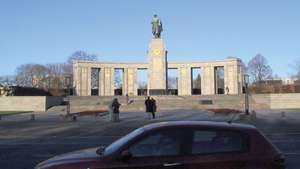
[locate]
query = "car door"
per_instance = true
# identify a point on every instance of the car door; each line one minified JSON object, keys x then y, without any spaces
{"x":217,"y":149}
{"x":159,"y":150}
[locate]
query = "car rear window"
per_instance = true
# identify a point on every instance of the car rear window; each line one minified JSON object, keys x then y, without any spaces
{"x":206,"y":142}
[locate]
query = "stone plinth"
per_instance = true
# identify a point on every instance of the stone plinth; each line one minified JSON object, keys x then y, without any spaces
{"x":157,"y":67}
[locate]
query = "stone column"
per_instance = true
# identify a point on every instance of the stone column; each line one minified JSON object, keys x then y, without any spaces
{"x":226,"y":80}
{"x":125,"y":82}
{"x":83,"y":81}
{"x":131,"y":81}
{"x":112,"y":81}
{"x":89,"y":81}
{"x":77,"y":79}
{"x":241,"y":78}
{"x":157,"y":67}
{"x":185,"y":79}
{"x":208,"y":80}
{"x":86,"y":81}
{"x":232,"y":78}
{"x":235,"y":79}
{"x":101,"y":80}
{"x":212,"y":80}
{"x":108,"y":86}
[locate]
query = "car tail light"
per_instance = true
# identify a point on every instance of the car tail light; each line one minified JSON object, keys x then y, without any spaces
{"x":279,"y":161}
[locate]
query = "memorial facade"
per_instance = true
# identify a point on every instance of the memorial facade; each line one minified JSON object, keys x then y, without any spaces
{"x":215,"y":77}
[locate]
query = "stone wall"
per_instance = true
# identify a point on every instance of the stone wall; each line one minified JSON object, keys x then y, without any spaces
{"x":157,"y":75}
{"x":28,"y":103}
{"x":257,"y":102}
{"x":276,"y":101}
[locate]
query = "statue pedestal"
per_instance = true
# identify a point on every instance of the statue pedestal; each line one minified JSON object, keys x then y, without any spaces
{"x":157,"y":72}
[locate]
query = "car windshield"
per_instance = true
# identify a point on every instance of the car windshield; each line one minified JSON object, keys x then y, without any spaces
{"x":120,"y":142}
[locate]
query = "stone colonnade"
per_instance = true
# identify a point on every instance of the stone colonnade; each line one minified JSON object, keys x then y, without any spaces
{"x":233,"y":76}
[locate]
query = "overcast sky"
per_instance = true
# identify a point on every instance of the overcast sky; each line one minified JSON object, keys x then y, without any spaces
{"x":49,"y":31}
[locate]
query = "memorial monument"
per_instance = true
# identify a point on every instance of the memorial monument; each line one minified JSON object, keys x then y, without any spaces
{"x":157,"y":58}
{"x":216,"y":76}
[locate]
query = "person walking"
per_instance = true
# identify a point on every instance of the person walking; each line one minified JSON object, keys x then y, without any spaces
{"x":227,"y":90}
{"x":153,"y":107}
{"x":114,"y":110}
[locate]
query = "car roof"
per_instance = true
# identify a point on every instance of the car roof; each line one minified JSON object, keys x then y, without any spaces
{"x":204,"y":124}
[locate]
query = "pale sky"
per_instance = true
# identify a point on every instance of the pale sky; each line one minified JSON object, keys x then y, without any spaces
{"x":48,"y":31}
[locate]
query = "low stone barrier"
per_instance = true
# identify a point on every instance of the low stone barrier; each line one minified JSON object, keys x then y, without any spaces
{"x":28,"y":103}
{"x":276,"y":101}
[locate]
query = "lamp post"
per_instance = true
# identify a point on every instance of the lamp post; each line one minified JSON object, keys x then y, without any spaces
{"x":246,"y":81}
{"x":67,"y":81}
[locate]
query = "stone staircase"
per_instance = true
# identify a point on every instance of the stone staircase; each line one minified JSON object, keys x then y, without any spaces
{"x":83,"y":103}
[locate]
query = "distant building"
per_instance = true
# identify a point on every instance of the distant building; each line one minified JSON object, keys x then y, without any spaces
{"x":297,"y":82}
{"x":289,"y":81}
{"x":279,"y":81}
{"x":271,"y":82}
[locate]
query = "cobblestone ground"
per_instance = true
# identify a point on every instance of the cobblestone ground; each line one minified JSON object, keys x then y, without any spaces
{"x":24,"y":143}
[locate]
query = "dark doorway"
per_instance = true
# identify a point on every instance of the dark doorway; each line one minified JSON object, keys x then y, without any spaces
{"x":118,"y":81}
{"x":196,"y":80}
{"x":142,"y":82}
{"x":219,"y":80}
{"x":172,"y":82}
{"x":95,"y":86}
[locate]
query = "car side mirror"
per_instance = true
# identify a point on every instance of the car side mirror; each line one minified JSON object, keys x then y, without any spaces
{"x":126,"y":155}
{"x":100,"y":150}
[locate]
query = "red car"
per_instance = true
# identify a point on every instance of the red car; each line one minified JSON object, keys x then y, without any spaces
{"x":179,"y":145}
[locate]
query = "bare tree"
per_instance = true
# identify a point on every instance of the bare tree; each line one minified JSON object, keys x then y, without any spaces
{"x":244,"y":67}
{"x":31,"y":75}
{"x":7,"y":80}
{"x":95,"y":78}
{"x":58,"y":71}
{"x":81,"y":55}
{"x":78,"y":55}
{"x":55,"y":75}
{"x":55,"y":69}
{"x":197,"y":82}
{"x":118,"y":81}
{"x":298,"y":70}
{"x":50,"y":75}
{"x":259,"y":69}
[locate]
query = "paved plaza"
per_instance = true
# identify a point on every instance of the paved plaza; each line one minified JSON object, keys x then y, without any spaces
{"x":24,"y":143}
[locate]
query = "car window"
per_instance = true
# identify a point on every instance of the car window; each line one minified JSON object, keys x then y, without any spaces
{"x":120,"y":142}
{"x":205,"y":142}
{"x":158,"y":144}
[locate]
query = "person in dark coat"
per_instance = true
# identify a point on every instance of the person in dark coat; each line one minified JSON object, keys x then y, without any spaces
{"x":153,"y":107}
{"x":148,"y":104}
{"x":149,"y":107}
{"x":115,"y":105}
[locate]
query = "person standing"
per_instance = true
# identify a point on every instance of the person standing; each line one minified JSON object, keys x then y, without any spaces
{"x":114,"y":110}
{"x":153,"y":107}
{"x":127,"y":99}
{"x":148,"y":105}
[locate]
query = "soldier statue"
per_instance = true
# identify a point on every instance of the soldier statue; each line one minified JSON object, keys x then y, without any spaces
{"x":156,"y":26}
